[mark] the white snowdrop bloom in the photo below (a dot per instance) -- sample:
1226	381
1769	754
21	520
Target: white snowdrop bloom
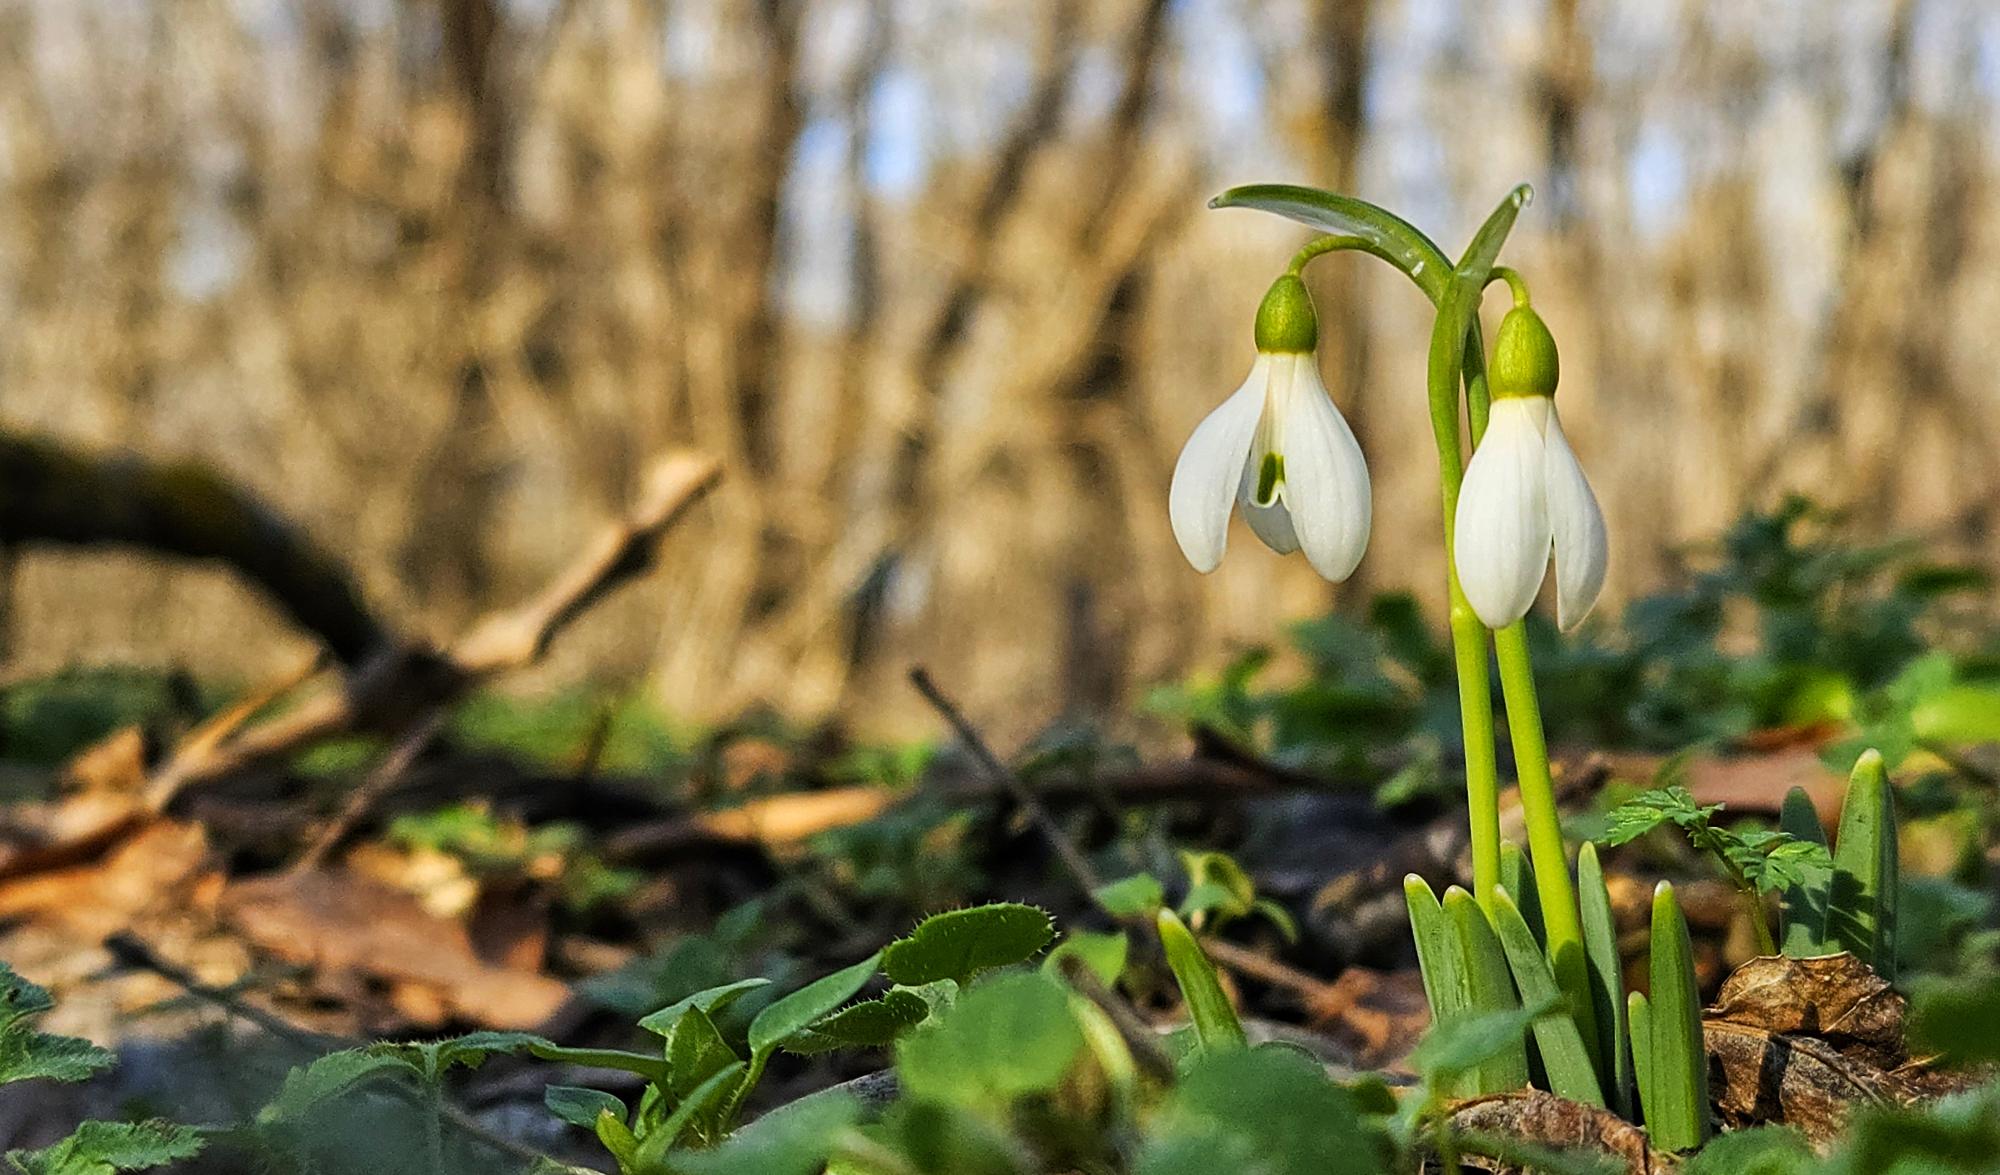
1525	496
1280	448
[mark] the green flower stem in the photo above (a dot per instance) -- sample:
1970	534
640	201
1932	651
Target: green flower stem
1363	227
1561	923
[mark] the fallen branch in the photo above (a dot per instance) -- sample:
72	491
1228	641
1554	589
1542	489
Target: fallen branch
400	686
52	494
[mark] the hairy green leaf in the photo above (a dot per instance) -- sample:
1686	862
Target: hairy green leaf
959	944
102	1148
869	1024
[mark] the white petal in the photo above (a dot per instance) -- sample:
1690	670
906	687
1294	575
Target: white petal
1581	545
1502	539
1206	475
1326	478
1273	524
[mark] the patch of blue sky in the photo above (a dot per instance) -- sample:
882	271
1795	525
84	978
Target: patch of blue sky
209	252
1657	179
818	229
1222	72
896	158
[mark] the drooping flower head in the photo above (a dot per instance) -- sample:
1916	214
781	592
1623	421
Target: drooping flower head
1281	449
1524	494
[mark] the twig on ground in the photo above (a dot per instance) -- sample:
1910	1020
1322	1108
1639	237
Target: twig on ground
1065	849
362	799
1265	969
1233	957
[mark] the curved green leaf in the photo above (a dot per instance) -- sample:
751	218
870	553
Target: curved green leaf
799	1009
1375	230
1215	1022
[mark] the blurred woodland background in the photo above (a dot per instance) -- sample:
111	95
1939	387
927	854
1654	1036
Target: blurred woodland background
437	278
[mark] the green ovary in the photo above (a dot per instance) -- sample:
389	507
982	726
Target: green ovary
1269	474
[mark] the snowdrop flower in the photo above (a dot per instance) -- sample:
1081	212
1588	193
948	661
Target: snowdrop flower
1524	493
1280	448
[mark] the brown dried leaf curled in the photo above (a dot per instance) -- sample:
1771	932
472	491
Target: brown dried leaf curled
1836	998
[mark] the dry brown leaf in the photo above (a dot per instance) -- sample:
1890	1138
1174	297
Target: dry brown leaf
1543	1119
1794	1080
1836	998
1377	1015
342	924
71	831
790	818
155	867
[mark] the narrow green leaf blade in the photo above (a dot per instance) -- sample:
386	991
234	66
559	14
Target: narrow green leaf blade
1438	955
1517	877
1639	1016
1490	985
1861	909
1571	1069
1678	1115
1607	981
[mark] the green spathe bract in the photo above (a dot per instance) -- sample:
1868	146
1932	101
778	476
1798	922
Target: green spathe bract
1285	319
1524	356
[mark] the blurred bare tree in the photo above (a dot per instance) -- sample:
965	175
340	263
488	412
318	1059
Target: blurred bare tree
931	276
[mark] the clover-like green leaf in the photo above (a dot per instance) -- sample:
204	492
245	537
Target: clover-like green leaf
1136	896
1010	1036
